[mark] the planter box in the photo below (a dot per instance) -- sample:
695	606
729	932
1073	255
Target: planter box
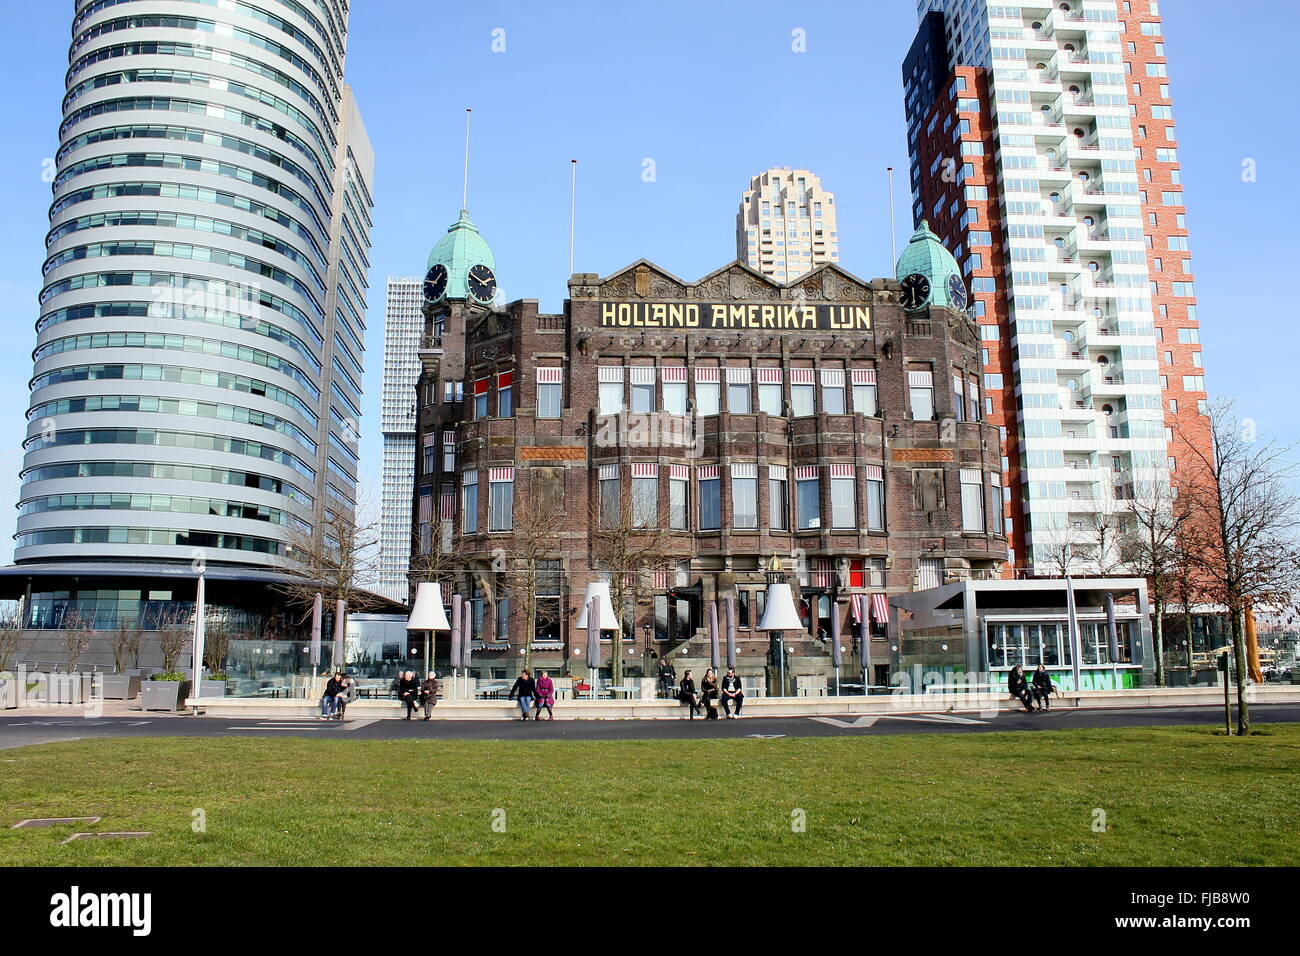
121	686
8	693
163	694
1176	679
68	689
211	688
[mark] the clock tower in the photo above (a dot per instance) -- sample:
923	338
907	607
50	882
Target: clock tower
929	274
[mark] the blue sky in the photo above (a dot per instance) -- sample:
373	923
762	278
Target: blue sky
712	92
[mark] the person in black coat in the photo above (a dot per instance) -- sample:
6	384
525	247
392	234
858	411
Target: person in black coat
408	692
686	694
709	693
524	690
1043	688
328	702
732	692
1019	687
667	677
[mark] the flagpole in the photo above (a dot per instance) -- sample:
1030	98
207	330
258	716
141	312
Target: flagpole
573	207
893	228
464	192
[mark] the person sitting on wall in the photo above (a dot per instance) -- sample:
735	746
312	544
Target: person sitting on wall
346	695
429	694
408	691
732	693
327	701
709	693
1043	688
686	694
1019	687
524	690
667	677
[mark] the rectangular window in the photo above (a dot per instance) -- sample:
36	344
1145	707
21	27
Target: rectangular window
958	397
501	499
611	498
674	383
802	399
973	397
643	388
808	503
778	508
645	494
708	390
875	498
864	392
469	503
481	398
550	392
679	484
972	500
744	496
610	388
710	497
505	394
844	497
833	391
921	395
738	400
769	391
448	451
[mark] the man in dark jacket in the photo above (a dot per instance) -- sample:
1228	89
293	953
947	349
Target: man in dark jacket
524	690
732	692
1019	687
408	692
686	694
327	701
667	677
1043	688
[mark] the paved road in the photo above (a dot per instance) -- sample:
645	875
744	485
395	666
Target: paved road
28	730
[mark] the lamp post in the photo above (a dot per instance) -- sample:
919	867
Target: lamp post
428	614
779	614
605	619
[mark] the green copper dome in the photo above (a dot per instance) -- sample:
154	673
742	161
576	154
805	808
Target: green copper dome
926	255
460	250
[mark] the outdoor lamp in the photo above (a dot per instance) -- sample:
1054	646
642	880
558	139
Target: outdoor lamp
779	612
428	614
608	619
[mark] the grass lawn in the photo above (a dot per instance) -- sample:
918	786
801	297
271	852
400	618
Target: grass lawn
1177	796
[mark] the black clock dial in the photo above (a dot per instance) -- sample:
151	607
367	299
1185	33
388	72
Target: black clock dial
957	291
482	283
916	291
435	283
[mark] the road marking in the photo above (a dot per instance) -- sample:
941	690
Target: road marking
765	736
864	721
868	719
358	724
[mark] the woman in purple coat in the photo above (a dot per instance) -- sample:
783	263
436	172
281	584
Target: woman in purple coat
545	696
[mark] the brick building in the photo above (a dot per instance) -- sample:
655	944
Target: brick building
817	421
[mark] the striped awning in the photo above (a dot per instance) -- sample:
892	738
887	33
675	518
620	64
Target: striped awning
645	469
642	374
744	469
874	472
469	477
706	472
805	472
971	476
607	472
841	471
673	374
738	376
864	376
822	573
501	474
426	508
550	376
920	379
832	378
679	472
609	373
856	607
880	608
776	472
449	438
427	439
708	373
448	502
802	376
957	385
769	376
661	580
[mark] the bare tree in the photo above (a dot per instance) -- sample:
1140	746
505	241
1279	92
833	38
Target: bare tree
12	639
1148	547
175	629
1060	550
335	558
628	543
538	527
127	639
1244	529
77	631
216	647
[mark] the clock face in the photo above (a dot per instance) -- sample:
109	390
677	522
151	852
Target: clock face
957	291
482	284
916	291
435	283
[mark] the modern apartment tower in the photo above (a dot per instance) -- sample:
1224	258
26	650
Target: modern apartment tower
785	226
403	326
200	334
1043	153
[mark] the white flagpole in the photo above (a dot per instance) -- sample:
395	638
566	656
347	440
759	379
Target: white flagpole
464	192
573	207
200	635
893	228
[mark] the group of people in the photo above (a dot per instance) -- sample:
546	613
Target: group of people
729	691
340	690
1038	691
414	693
534	692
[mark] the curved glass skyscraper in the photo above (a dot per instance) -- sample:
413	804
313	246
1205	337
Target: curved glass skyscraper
199	356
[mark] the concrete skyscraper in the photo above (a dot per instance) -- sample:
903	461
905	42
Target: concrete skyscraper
200	335
1043	152
403	326
786	224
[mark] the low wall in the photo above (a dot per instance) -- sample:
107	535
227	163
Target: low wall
753	707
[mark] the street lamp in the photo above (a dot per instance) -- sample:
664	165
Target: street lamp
779	614
428	614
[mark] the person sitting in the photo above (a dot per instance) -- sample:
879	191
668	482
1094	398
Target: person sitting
1019	687
524	690
732	693
709	693
1043	688
686	694
408	691
545	696
327	701
346	695
429	694
667	677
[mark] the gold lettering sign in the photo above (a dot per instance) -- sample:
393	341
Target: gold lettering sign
776	317
565	453
922	454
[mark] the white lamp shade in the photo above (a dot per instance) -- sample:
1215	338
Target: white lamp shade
428	613
779	612
608	619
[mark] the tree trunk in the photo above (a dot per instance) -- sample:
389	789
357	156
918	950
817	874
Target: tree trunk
1239	656
1187	625
529	629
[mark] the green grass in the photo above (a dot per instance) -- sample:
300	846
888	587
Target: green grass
1176	796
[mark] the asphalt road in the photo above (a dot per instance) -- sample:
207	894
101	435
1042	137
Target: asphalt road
27	730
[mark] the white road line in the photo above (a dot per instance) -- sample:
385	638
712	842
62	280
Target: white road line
868	719
863	721
358	724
